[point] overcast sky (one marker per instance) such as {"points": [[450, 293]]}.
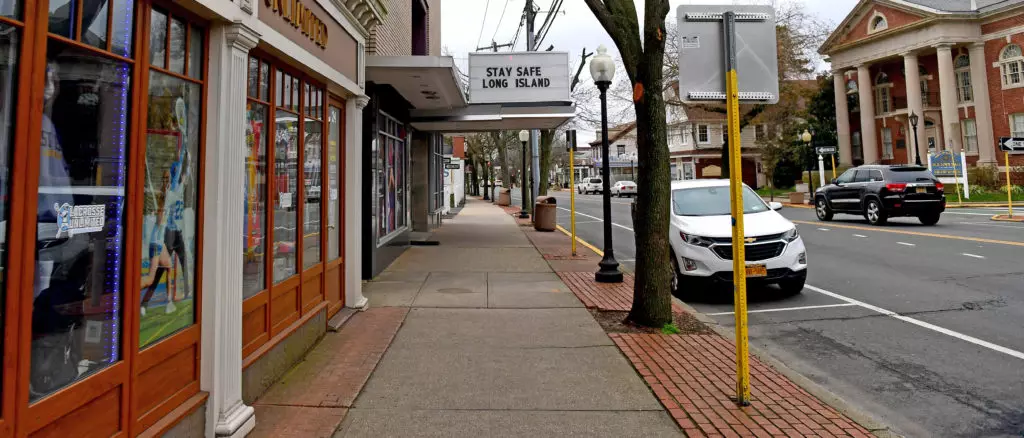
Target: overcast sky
{"points": [[468, 24]]}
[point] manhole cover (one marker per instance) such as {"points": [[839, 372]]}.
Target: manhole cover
{"points": [[454, 290]]}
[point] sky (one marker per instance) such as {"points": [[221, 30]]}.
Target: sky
{"points": [[469, 24]]}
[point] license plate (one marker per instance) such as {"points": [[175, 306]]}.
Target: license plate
{"points": [[922, 190], [757, 271]]}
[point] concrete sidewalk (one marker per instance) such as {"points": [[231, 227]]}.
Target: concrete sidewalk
{"points": [[495, 344]]}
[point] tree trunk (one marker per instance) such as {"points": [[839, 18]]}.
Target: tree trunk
{"points": [[547, 136], [652, 299], [475, 190], [506, 169]]}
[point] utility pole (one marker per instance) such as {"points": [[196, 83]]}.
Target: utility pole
{"points": [[534, 134]]}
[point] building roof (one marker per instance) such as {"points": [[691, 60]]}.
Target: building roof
{"points": [[962, 5], [620, 131]]}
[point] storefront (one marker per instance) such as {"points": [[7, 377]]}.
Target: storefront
{"points": [[139, 137]]}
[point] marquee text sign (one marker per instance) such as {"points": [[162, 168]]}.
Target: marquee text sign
{"points": [[302, 18], [518, 77]]}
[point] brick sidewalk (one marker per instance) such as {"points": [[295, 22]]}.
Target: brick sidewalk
{"points": [[314, 397], [694, 377], [604, 296]]}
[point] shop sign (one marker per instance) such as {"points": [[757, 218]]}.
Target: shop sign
{"points": [[302, 18], [518, 77], [79, 219]]}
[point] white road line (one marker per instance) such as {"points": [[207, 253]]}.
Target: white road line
{"points": [[967, 214], [824, 229], [859, 235], [919, 323], [598, 219], [906, 244], [991, 225], [786, 309], [588, 222], [972, 255]]}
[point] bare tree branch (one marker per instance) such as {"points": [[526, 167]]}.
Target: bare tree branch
{"points": [[583, 61]]}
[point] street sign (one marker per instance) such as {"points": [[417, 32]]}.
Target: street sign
{"points": [[1011, 144], [447, 160], [825, 150], [702, 51], [453, 166], [518, 77]]}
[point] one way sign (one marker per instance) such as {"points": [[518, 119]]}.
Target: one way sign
{"points": [[1011, 144]]}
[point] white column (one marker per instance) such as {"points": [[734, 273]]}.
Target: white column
{"points": [[353, 202], [868, 133], [226, 415], [914, 106], [842, 119], [982, 105], [947, 98]]}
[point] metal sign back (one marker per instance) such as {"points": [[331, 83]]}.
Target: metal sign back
{"points": [[702, 53]]}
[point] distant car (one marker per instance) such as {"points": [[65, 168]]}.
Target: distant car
{"points": [[880, 192], [700, 239], [590, 185], [624, 188]]}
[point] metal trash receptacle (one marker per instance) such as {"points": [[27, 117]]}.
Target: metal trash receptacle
{"points": [[545, 213], [505, 197]]}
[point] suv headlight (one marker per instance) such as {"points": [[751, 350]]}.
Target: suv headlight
{"points": [[696, 240], [791, 235]]}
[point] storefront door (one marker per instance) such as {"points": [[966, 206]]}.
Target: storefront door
{"points": [[335, 266]]}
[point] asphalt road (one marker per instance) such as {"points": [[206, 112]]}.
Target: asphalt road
{"points": [[922, 327]]}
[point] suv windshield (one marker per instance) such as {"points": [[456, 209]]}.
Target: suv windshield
{"points": [[910, 175], [713, 201]]}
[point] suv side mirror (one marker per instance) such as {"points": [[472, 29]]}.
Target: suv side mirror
{"points": [[835, 181], [775, 206]]}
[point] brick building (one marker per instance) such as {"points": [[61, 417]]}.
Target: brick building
{"points": [[966, 57]]}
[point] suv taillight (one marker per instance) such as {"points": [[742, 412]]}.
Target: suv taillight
{"points": [[939, 186], [896, 187]]}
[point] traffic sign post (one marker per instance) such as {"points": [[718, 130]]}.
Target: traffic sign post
{"points": [[1010, 145], [831, 152], [742, 39]]}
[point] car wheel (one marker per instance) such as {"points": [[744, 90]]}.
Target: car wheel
{"points": [[676, 276], [874, 213], [579, 191], [821, 209], [792, 287], [929, 219]]}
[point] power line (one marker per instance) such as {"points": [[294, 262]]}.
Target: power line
{"points": [[546, 27], [502, 17], [482, 22]]}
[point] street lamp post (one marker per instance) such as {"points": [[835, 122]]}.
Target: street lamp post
{"points": [[602, 70], [524, 136], [806, 138], [917, 148]]}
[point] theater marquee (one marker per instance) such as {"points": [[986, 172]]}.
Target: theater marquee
{"points": [[518, 77]]}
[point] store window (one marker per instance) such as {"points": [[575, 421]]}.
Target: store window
{"points": [[334, 219], [390, 176], [286, 176], [77, 285], [10, 40], [254, 228], [171, 179], [313, 157]]}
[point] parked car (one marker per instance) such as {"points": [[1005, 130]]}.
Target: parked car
{"points": [[880, 192], [624, 188], [590, 185], [700, 239]]}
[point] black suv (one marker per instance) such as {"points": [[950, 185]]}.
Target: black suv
{"points": [[879, 192]]}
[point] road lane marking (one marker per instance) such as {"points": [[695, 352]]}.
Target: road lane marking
{"points": [[581, 241], [824, 229], [973, 255], [915, 233], [991, 225], [598, 219], [967, 214], [906, 244], [786, 309], [919, 323], [859, 235]]}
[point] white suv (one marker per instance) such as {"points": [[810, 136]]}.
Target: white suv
{"points": [[590, 185], [701, 242]]}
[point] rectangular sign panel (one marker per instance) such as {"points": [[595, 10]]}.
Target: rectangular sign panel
{"points": [[1011, 144], [518, 77], [454, 166], [702, 51], [825, 150]]}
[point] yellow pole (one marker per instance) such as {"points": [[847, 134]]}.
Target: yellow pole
{"points": [[1009, 189], [833, 166], [572, 196], [739, 266]]}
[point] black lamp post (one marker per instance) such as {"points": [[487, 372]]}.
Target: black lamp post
{"points": [[524, 136], [806, 138], [602, 69], [917, 148], [487, 195]]}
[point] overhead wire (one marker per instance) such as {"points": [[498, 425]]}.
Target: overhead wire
{"points": [[546, 27], [483, 22], [502, 17]]}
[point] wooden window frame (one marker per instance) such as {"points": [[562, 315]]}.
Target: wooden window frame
{"points": [[331, 100], [307, 303]]}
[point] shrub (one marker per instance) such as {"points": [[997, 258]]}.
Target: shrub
{"points": [[983, 176], [786, 174]]}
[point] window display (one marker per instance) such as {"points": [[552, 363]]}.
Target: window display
{"points": [[254, 229], [76, 312], [170, 200], [286, 175], [8, 80], [334, 219], [390, 172], [311, 222]]}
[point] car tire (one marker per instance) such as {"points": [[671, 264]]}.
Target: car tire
{"points": [[929, 219], [822, 210], [677, 277], [793, 287], [875, 213]]}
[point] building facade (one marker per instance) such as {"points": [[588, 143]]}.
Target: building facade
{"points": [[957, 65], [192, 232]]}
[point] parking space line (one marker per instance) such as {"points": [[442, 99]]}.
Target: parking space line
{"points": [[915, 233], [786, 309], [823, 229], [919, 323], [598, 219], [973, 255], [859, 235], [906, 244]]}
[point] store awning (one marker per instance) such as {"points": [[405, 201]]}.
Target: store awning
{"points": [[427, 82], [490, 117]]}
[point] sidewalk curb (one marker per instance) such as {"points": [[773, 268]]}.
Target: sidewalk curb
{"points": [[863, 418]]}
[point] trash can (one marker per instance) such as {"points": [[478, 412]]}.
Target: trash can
{"points": [[505, 198], [545, 213]]}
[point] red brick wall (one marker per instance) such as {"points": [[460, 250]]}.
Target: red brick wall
{"points": [[1006, 23], [895, 19], [1004, 102]]}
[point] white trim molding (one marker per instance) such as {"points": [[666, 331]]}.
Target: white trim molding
{"points": [[884, 25]]}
